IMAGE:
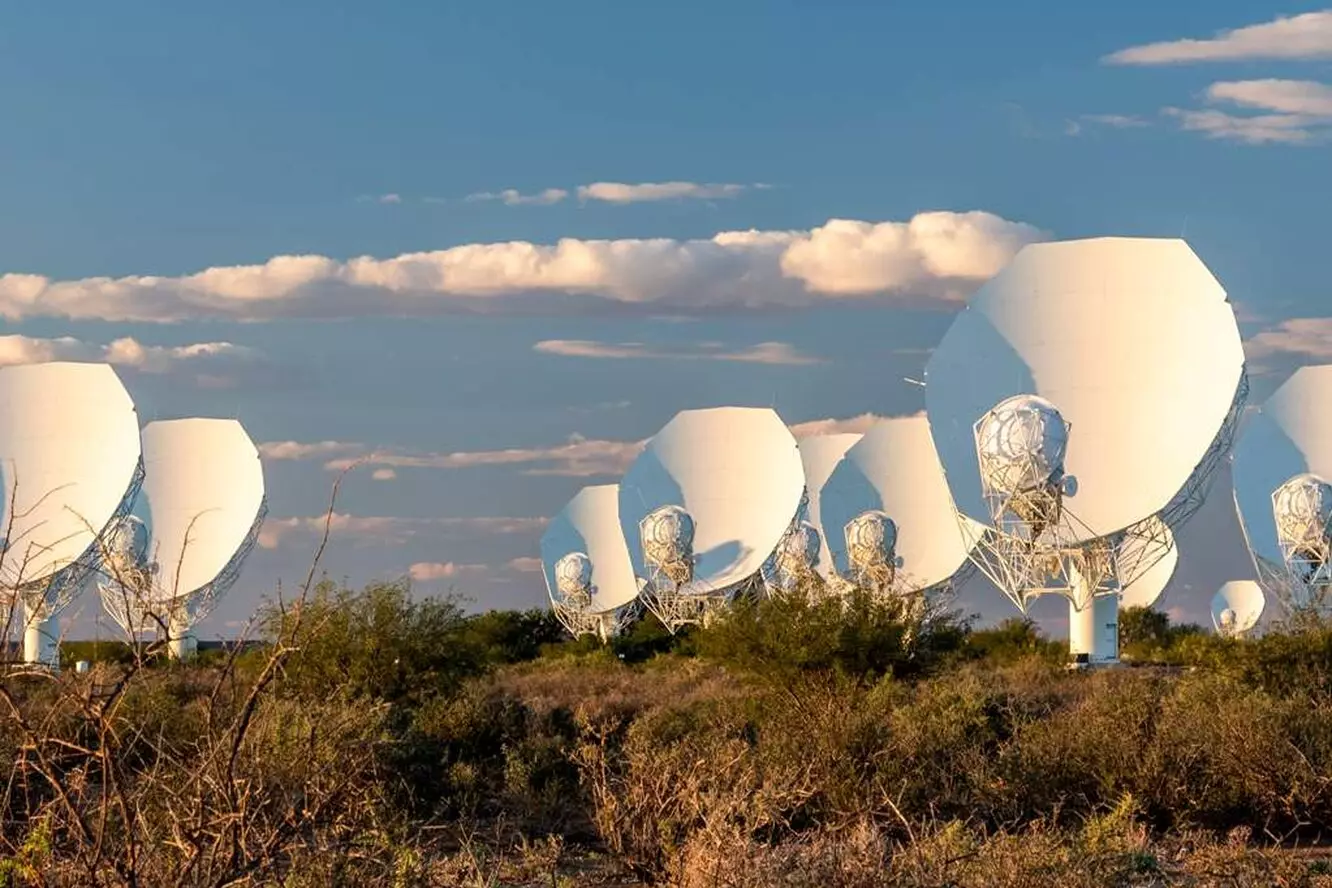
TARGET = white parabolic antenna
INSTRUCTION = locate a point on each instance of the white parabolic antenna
(895, 470)
(1236, 607)
(200, 511)
(70, 463)
(726, 484)
(820, 454)
(599, 598)
(1131, 344)
(1283, 472)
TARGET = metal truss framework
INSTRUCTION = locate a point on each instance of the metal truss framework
(1302, 509)
(130, 595)
(572, 601)
(670, 591)
(793, 563)
(578, 620)
(1036, 545)
(45, 598)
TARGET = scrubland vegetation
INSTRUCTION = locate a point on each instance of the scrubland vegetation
(377, 739)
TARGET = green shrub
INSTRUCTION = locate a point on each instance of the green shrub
(378, 642)
(861, 636)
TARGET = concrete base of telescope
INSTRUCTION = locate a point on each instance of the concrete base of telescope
(183, 647)
(41, 641)
(1093, 632)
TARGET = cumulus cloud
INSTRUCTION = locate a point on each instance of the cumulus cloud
(761, 353)
(1307, 36)
(625, 193)
(384, 530)
(432, 571)
(124, 352)
(383, 474)
(850, 258)
(937, 256)
(512, 197)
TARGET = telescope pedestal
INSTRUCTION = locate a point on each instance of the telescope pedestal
(1093, 630)
(41, 640)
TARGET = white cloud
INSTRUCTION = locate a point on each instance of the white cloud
(762, 353)
(124, 352)
(1258, 129)
(1306, 97)
(383, 474)
(390, 198)
(934, 256)
(1114, 121)
(1308, 338)
(1307, 36)
(1299, 112)
(525, 565)
(625, 193)
(514, 198)
(386, 530)
(846, 257)
(431, 571)
(286, 450)
(577, 457)
(855, 425)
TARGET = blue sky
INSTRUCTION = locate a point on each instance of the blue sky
(160, 139)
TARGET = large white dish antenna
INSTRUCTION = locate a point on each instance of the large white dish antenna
(69, 461)
(1237, 607)
(820, 454)
(196, 519)
(894, 469)
(1133, 342)
(1288, 436)
(736, 471)
(589, 525)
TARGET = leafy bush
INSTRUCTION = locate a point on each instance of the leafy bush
(379, 642)
(860, 636)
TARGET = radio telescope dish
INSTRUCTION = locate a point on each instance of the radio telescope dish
(735, 474)
(585, 562)
(197, 517)
(820, 454)
(1236, 608)
(70, 462)
(1283, 466)
(892, 526)
(1080, 404)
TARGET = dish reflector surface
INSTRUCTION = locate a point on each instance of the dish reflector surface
(590, 524)
(69, 454)
(1237, 606)
(1132, 341)
(736, 471)
(203, 493)
(819, 454)
(1289, 435)
(894, 469)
